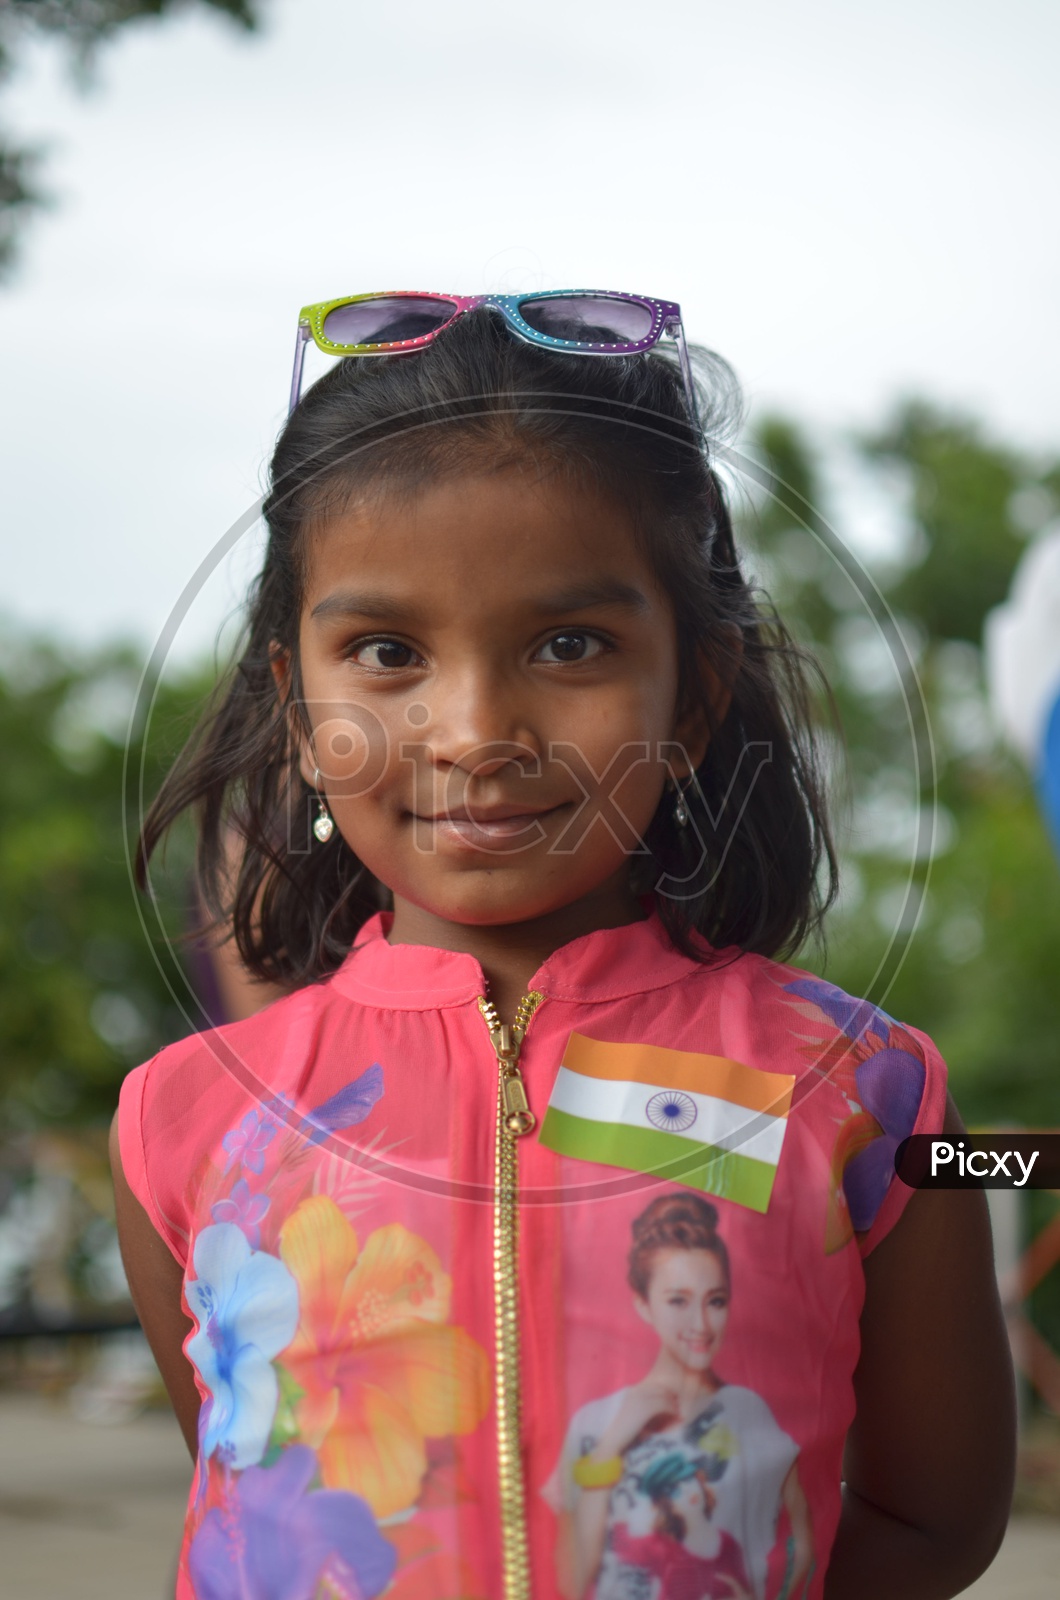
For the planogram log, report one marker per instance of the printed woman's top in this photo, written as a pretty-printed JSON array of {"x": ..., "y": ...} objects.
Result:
[{"x": 406, "y": 1234}]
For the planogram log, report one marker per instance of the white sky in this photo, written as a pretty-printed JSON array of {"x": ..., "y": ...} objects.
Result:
[{"x": 852, "y": 202}]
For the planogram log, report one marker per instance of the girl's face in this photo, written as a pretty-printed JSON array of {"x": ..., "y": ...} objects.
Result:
[
  {"x": 688, "y": 1306},
  {"x": 691, "y": 1498},
  {"x": 490, "y": 671}
]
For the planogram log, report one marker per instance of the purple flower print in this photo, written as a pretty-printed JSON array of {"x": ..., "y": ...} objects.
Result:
[
  {"x": 891, "y": 1086},
  {"x": 351, "y": 1105},
  {"x": 246, "y": 1210},
  {"x": 866, "y": 1180},
  {"x": 277, "y": 1539},
  {"x": 248, "y": 1143}
]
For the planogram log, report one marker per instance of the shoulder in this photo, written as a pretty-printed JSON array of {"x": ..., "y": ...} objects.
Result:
[
  {"x": 863, "y": 1082},
  {"x": 802, "y": 1024},
  {"x": 255, "y": 1041},
  {"x": 590, "y": 1420},
  {"x": 743, "y": 1407}
]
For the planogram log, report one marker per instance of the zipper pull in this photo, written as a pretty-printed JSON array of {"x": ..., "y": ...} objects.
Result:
[
  {"x": 518, "y": 1118},
  {"x": 507, "y": 1041}
]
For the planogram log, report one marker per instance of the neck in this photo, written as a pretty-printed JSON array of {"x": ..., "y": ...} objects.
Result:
[
  {"x": 510, "y": 953},
  {"x": 683, "y": 1380}
]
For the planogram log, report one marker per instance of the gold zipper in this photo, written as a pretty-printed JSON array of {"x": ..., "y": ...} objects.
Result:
[{"x": 514, "y": 1119}]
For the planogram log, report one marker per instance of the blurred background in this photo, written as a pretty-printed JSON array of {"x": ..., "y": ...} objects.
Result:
[{"x": 854, "y": 205}]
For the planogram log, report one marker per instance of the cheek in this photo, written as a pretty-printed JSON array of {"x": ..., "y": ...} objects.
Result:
[
  {"x": 669, "y": 1320},
  {"x": 353, "y": 749}
]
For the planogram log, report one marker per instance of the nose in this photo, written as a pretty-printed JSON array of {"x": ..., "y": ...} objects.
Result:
[{"x": 475, "y": 725}]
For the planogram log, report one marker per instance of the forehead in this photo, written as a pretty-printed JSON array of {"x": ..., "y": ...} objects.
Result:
[
  {"x": 479, "y": 541},
  {"x": 699, "y": 1270}
]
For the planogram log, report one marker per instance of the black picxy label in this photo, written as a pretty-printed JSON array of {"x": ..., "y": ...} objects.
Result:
[{"x": 979, "y": 1161}]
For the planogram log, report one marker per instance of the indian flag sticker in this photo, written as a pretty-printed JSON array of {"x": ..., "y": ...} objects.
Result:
[{"x": 704, "y": 1121}]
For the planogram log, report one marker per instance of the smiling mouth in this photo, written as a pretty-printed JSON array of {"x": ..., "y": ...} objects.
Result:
[{"x": 496, "y": 825}]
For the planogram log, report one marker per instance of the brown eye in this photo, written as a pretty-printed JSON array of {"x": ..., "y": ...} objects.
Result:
[
  {"x": 572, "y": 646},
  {"x": 384, "y": 653}
]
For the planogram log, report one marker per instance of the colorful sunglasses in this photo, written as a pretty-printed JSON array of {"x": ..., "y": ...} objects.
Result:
[{"x": 592, "y": 322}]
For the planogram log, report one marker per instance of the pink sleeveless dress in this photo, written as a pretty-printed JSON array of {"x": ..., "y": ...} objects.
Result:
[{"x": 405, "y": 1231}]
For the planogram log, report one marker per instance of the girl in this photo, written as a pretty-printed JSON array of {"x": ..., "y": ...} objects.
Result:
[
  {"x": 528, "y": 809},
  {"x": 679, "y": 1430}
]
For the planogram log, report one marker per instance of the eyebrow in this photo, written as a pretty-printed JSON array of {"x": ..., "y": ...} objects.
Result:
[
  {"x": 380, "y": 607},
  {"x": 587, "y": 596}
]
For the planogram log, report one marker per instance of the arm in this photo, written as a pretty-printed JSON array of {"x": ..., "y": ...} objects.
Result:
[
  {"x": 155, "y": 1280},
  {"x": 644, "y": 1401},
  {"x": 930, "y": 1458}
]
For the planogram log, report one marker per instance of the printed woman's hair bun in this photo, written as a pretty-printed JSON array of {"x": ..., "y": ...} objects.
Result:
[{"x": 673, "y": 1222}]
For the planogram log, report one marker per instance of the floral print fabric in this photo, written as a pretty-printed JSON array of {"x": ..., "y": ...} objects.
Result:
[{"x": 324, "y": 1174}]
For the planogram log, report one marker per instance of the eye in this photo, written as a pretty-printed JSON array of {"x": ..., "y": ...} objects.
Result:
[
  {"x": 570, "y": 646},
  {"x": 383, "y": 654}
]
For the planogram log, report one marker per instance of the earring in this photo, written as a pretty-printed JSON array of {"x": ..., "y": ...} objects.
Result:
[
  {"x": 324, "y": 826},
  {"x": 680, "y": 809}
]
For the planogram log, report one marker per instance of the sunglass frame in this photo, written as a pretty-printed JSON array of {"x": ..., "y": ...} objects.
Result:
[{"x": 665, "y": 314}]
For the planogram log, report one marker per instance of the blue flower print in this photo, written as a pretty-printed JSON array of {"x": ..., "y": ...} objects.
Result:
[
  {"x": 246, "y": 1303},
  {"x": 248, "y": 1143},
  {"x": 246, "y": 1210},
  {"x": 274, "y": 1541}
]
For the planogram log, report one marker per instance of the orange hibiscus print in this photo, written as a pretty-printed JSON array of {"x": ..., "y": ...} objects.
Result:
[{"x": 380, "y": 1368}]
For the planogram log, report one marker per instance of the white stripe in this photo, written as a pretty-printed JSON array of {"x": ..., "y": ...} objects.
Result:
[{"x": 718, "y": 1122}]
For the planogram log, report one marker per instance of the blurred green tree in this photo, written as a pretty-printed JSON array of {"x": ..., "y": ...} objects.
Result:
[
  {"x": 978, "y": 972},
  {"x": 84, "y": 25},
  {"x": 82, "y": 995}
]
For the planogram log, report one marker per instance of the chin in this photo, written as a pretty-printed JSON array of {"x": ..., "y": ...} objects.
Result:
[{"x": 480, "y": 901}]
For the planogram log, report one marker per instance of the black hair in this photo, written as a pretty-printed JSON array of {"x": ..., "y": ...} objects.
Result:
[{"x": 479, "y": 398}]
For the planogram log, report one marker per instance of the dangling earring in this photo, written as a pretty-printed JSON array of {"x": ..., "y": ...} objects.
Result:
[
  {"x": 324, "y": 826},
  {"x": 680, "y": 809}
]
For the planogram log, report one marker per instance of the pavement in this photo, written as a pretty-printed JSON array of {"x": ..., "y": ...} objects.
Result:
[{"x": 93, "y": 1512}]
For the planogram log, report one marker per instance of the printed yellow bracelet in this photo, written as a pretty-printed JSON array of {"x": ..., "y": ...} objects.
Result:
[{"x": 590, "y": 1474}]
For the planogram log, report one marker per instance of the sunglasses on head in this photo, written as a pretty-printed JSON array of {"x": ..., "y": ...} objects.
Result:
[{"x": 587, "y": 322}]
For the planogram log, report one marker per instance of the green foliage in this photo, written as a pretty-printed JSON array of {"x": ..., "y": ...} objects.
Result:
[
  {"x": 978, "y": 970},
  {"x": 83, "y": 25},
  {"x": 962, "y": 491},
  {"x": 81, "y": 994}
]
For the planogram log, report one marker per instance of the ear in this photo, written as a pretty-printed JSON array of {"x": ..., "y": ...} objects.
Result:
[
  {"x": 642, "y": 1308},
  {"x": 707, "y": 700},
  {"x": 280, "y": 662}
]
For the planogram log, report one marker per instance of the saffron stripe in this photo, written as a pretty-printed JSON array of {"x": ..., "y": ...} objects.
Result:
[
  {"x": 681, "y": 1069},
  {"x": 733, "y": 1177}
]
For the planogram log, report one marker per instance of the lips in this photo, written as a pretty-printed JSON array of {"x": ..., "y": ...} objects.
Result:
[
  {"x": 485, "y": 816},
  {"x": 486, "y": 827}
]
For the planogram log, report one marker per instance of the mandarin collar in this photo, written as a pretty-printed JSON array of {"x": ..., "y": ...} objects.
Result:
[{"x": 606, "y": 964}]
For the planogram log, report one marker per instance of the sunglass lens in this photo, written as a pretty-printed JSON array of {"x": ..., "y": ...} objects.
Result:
[
  {"x": 588, "y": 318},
  {"x": 387, "y": 319}
]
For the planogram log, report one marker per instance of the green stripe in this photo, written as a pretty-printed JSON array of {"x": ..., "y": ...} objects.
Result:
[{"x": 726, "y": 1173}]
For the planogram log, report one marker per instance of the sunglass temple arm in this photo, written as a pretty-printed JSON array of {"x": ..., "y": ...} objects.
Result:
[
  {"x": 301, "y": 341},
  {"x": 677, "y": 333}
]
